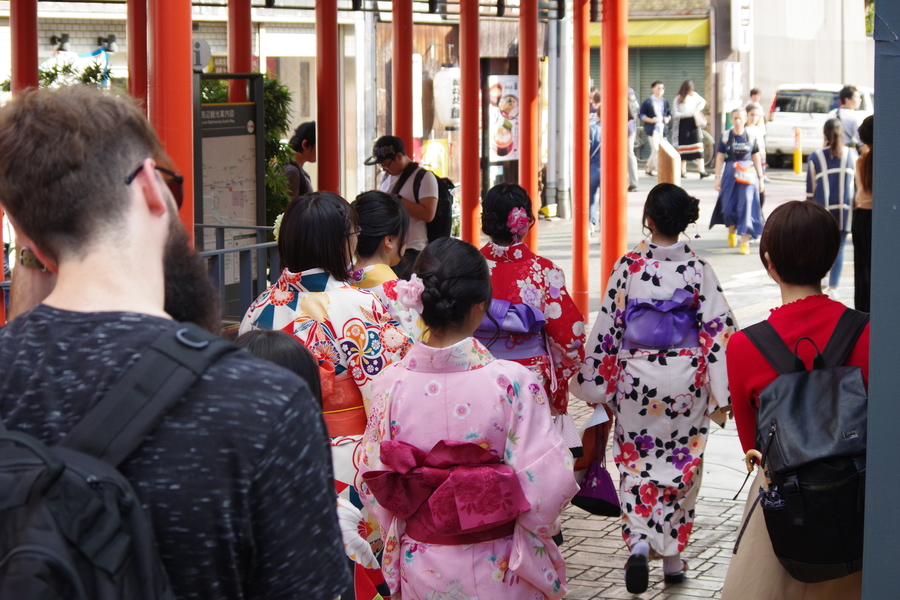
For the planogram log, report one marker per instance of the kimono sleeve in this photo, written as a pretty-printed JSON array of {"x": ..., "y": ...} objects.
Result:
[
  {"x": 564, "y": 329},
  {"x": 717, "y": 326},
  {"x": 543, "y": 466},
  {"x": 597, "y": 379},
  {"x": 373, "y": 342}
]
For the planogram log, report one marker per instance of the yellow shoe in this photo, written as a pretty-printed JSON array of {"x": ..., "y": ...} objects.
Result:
[
  {"x": 745, "y": 248},
  {"x": 732, "y": 240}
]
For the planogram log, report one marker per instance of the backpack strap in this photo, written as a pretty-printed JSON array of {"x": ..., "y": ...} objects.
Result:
[
  {"x": 136, "y": 404},
  {"x": 404, "y": 177},
  {"x": 769, "y": 343},
  {"x": 417, "y": 183},
  {"x": 847, "y": 331}
]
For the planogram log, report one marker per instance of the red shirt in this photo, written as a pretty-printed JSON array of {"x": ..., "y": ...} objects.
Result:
[{"x": 749, "y": 372}]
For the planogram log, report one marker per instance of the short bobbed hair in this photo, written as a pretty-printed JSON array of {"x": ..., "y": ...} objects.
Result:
[
  {"x": 671, "y": 208},
  {"x": 380, "y": 215},
  {"x": 315, "y": 234},
  {"x": 802, "y": 240},
  {"x": 456, "y": 277},
  {"x": 495, "y": 209}
]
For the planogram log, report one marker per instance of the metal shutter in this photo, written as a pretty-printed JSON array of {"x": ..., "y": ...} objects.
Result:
[{"x": 669, "y": 65}]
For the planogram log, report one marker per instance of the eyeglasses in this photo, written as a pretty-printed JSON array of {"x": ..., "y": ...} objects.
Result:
[
  {"x": 356, "y": 231},
  {"x": 174, "y": 182},
  {"x": 386, "y": 163}
]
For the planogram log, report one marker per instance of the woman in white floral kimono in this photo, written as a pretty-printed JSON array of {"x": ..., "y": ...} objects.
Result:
[
  {"x": 656, "y": 356},
  {"x": 461, "y": 463}
]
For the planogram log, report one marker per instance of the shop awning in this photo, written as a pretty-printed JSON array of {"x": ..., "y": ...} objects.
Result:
[{"x": 674, "y": 32}]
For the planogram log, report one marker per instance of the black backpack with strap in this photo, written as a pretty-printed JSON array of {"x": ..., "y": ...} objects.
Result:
[
  {"x": 811, "y": 431},
  {"x": 442, "y": 223},
  {"x": 73, "y": 527}
]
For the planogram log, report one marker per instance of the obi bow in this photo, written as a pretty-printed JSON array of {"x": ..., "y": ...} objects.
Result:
[
  {"x": 515, "y": 318},
  {"x": 662, "y": 323},
  {"x": 456, "y": 488}
]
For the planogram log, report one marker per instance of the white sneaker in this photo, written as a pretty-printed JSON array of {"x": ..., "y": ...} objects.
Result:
[{"x": 833, "y": 294}]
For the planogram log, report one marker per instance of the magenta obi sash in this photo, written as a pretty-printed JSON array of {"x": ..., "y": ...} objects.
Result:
[
  {"x": 520, "y": 333},
  {"x": 662, "y": 323},
  {"x": 458, "y": 493}
]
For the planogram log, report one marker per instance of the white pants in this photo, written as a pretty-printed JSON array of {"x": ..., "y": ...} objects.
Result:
[
  {"x": 654, "y": 149},
  {"x": 632, "y": 162}
]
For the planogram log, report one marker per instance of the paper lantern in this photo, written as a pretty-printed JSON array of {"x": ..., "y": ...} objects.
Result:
[{"x": 446, "y": 96}]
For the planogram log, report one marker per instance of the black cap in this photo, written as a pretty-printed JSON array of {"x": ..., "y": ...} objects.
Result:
[{"x": 385, "y": 147}]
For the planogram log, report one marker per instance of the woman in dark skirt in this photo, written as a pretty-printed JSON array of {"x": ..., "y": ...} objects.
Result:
[{"x": 686, "y": 112}]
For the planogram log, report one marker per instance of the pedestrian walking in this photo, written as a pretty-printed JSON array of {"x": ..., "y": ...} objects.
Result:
[
  {"x": 594, "y": 131},
  {"x": 831, "y": 182},
  {"x": 383, "y": 230},
  {"x": 739, "y": 181},
  {"x": 850, "y": 100},
  {"x": 797, "y": 248},
  {"x": 687, "y": 121},
  {"x": 303, "y": 143},
  {"x": 461, "y": 462},
  {"x": 550, "y": 339},
  {"x": 756, "y": 127},
  {"x": 862, "y": 219},
  {"x": 634, "y": 110},
  {"x": 656, "y": 356},
  {"x": 655, "y": 114}
]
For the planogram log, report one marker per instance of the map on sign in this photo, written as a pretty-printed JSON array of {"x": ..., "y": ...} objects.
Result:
[{"x": 229, "y": 179}]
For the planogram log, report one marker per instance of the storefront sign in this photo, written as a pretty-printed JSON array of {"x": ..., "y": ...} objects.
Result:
[{"x": 503, "y": 116}]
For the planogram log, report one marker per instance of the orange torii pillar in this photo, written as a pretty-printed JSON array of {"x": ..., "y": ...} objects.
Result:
[
  {"x": 529, "y": 110},
  {"x": 240, "y": 47},
  {"x": 614, "y": 182},
  {"x": 328, "y": 95},
  {"x": 136, "y": 32},
  {"x": 23, "y": 32},
  {"x": 170, "y": 95},
  {"x": 469, "y": 89},
  {"x": 401, "y": 72},
  {"x": 581, "y": 180}
]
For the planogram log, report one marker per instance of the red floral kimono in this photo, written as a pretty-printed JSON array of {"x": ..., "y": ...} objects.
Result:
[{"x": 520, "y": 276}]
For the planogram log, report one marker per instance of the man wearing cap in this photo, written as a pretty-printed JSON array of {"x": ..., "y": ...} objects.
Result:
[{"x": 399, "y": 179}]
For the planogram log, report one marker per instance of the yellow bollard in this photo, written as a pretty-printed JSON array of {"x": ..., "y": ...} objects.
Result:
[{"x": 798, "y": 152}]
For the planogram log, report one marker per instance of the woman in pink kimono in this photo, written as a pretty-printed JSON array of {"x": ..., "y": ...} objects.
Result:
[
  {"x": 658, "y": 360},
  {"x": 383, "y": 224},
  {"x": 349, "y": 331},
  {"x": 461, "y": 463}
]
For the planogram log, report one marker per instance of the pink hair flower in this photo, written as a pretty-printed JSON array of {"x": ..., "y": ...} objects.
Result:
[
  {"x": 409, "y": 293},
  {"x": 518, "y": 223}
]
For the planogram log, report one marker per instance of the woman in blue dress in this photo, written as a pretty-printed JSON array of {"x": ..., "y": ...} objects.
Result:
[{"x": 739, "y": 181}]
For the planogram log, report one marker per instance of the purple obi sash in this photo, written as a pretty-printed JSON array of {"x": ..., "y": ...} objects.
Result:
[
  {"x": 661, "y": 323},
  {"x": 458, "y": 493},
  {"x": 520, "y": 330}
]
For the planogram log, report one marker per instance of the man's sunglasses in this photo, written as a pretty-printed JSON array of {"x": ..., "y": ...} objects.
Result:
[{"x": 174, "y": 182}]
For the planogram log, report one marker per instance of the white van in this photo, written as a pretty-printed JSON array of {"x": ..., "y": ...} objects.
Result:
[{"x": 805, "y": 105}]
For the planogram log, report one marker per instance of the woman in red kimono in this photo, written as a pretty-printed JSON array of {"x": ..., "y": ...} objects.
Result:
[{"x": 532, "y": 319}]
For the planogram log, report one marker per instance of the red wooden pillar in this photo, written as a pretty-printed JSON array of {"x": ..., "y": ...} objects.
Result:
[
  {"x": 328, "y": 94},
  {"x": 401, "y": 72},
  {"x": 240, "y": 47},
  {"x": 529, "y": 114},
  {"x": 170, "y": 99},
  {"x": 581, "y": 181},
  {"x": 23, "y": 29},
  {"x": 136, "y": 32},
  {"x": 614, "y": 183},
  {"x": 469, "y": 91}
]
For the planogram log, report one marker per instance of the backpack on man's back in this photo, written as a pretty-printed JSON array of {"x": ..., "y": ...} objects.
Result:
[
  {"x": 73, "y": 527},
  {"x": 811, "y": 431}
]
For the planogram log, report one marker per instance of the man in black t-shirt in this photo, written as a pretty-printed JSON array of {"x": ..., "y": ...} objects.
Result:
[{"x": 237, "y": 479}]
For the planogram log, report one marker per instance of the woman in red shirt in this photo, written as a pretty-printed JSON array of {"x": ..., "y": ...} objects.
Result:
[{"x": 798, "y": 246}]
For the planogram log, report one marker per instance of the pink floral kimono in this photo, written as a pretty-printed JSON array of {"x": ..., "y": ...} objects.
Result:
[{"x": 480, "y": 530}]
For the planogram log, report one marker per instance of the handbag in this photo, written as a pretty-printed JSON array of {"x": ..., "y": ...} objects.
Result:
[
  {"x": 742, "y": 174},
  {"x": 699, "y": 119},
  {"x": 598, "y": 494},
  {"x": 568, "y": 431}
]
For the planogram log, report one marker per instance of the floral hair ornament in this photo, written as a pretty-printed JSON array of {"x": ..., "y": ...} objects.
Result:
[
  {"x": 518, "y": 223},
  {"x": 409, "y": 293}
]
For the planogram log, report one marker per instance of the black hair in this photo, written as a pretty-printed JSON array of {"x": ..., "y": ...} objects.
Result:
[
  {"x": 380, "y": 215},
  {"x": 755, "y": 91},
  {"x": 286, "y": 351},
  {"x": 315, "y": 232},
  {"x": 456, "y": 277},
  {"x": 847, "y": 92},
  {"x": 864, "y": 164},
  {"x": 671, "y": 208},
  {"x": 866, "y": 131},
  {"x": 834, "y": 135},
  {"x": 305, "y": 132},
  {"x": 495, "y": 209},
  {"x": 802, "y": 239},
  {"x": 655, "y": 83}
]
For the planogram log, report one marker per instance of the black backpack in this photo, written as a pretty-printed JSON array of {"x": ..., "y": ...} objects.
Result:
[
  {"x": 811, "y": 431},
  {"x": 442, "y": 223},
  {"x": 73, "y": 527}
]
